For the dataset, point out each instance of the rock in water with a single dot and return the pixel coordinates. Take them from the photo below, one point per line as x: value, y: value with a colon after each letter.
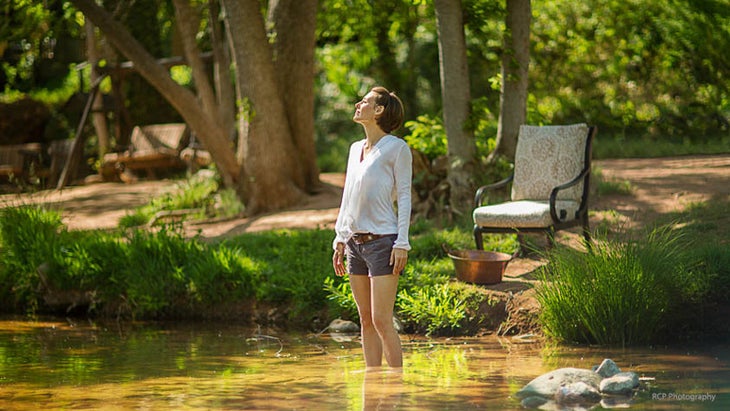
x: 577, y: 393
x: 343, y: 326
x: 547, y: 385
x: 608, y: 368
x: 622, y: 383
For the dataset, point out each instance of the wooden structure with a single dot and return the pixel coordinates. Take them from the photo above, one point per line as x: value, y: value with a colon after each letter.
x: 153, y: 147
x: 22, y: 161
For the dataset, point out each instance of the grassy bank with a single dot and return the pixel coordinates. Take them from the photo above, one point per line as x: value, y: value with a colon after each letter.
x: 669, y: 282
x: 282, y: 276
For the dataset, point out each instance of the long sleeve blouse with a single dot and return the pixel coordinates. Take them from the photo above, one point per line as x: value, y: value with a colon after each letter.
x: 372, y: 185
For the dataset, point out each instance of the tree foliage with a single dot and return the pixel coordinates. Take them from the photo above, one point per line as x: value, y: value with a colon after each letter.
x: 37, y: 40
x: 633, y: 67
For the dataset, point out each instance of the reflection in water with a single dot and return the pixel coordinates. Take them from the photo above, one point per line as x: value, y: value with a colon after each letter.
x: 382, y: 389
x: 59, y: 364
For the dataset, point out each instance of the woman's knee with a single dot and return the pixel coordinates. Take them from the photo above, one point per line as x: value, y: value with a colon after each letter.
x: 366, y: 321
x: 383, y: 324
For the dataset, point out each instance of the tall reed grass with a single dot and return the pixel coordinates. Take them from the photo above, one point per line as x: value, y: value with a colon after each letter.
x: 619, y: 293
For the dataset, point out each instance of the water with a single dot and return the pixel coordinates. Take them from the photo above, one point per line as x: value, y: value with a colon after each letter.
x: 72, y: 364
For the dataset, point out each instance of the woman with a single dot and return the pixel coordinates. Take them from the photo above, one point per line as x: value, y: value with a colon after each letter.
x: 371, y: 233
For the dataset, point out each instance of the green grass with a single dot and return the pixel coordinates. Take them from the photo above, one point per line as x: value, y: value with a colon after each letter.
x: 162, y: 274
x: 430, y: 300
x: 607, y: 186
x: 616, y: 294
x: 136, y: 273
x: 200, y: 194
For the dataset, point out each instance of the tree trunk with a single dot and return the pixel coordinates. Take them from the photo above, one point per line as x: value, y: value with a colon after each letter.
x: 187, y: 25
x: 515, y: 64
x: 98, y: 116
x: 456, y: 103
x: 211, y: 134
x: 272, y: 176
x: 222, y: 71
x: 295, y: 23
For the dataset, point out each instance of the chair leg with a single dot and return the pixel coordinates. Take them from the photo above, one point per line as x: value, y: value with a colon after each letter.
x: 522, y: 251
x: 478, y: 238
x: 550, y: 233
x: 586, y: 232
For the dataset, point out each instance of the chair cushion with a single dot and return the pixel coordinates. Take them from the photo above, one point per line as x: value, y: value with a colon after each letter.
x: 548, y: 156
x: 520, y: 214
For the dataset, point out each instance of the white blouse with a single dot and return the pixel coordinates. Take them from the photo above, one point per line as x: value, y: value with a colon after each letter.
x: 371, y: 188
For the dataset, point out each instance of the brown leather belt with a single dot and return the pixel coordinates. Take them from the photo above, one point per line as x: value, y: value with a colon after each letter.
x: 362, y: 238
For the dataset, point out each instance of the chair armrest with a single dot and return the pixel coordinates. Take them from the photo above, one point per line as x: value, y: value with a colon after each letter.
x: 554, y: 193
x: 481, y: 191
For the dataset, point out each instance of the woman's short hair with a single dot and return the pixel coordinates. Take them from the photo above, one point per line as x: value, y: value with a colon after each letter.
x: 392, y: 116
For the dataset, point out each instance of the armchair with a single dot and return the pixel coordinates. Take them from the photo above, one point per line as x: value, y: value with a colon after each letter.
x: 550, y: 185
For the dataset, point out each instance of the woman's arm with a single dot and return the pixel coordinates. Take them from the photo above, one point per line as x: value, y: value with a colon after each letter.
x: 403, y: 172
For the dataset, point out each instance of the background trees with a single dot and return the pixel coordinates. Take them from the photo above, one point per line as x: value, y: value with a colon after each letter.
x: 273, y: 169
x: 638, y: 69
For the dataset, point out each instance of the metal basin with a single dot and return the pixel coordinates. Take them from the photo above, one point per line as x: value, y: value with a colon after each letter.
x: 479, y: 267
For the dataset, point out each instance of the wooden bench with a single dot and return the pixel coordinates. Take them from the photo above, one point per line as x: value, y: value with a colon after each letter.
x: 153, y: 147
x: 22, y: 161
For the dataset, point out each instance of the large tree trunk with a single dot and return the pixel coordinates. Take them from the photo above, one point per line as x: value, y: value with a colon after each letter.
x: 456, y: 103
x: 515, y: 64
x: 272, y: 176
x: 211, y: 134
x: 295, y: 23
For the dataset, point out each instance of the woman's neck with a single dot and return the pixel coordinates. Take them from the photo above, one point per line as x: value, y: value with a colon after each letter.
x: 373, y: 134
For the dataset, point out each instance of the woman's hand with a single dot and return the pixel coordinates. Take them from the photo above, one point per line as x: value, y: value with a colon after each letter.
x: 398, y: 259
x: 338, y: 260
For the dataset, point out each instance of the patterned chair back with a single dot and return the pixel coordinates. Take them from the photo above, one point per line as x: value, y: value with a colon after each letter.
x: 548, y: 156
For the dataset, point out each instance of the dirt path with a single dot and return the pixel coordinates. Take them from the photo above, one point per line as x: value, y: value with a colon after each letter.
x: 659, y: 186
x: 94, y: 206
x: 666, y: 184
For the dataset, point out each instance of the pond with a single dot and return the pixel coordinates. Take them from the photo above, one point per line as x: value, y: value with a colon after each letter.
x: 76, y: 364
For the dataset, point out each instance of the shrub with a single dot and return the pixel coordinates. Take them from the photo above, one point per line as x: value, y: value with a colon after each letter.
x: 194, y: 193
x: 438, y: 309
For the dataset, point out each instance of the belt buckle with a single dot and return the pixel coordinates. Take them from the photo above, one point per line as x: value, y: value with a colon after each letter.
x: 362, y: 238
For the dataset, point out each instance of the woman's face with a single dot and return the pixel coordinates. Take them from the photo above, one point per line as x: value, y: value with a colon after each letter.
x: 365, y: 109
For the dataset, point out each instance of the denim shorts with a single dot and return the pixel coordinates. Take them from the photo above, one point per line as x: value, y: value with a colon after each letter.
x: 371, y: 258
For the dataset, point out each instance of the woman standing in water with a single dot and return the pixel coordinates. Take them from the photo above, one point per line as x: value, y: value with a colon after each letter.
x: 371, y: 233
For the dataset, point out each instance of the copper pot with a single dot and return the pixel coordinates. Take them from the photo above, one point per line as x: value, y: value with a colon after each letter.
x: 479, y: 267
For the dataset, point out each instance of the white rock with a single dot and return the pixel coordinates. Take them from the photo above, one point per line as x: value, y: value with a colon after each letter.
x: 548, y: 384
x: 577, y: 393
x: 608, y: 368
x: 620, y: 384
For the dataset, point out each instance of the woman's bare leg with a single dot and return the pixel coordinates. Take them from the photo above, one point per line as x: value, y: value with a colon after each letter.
x: 383, y: 291
x: 371, y: 345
